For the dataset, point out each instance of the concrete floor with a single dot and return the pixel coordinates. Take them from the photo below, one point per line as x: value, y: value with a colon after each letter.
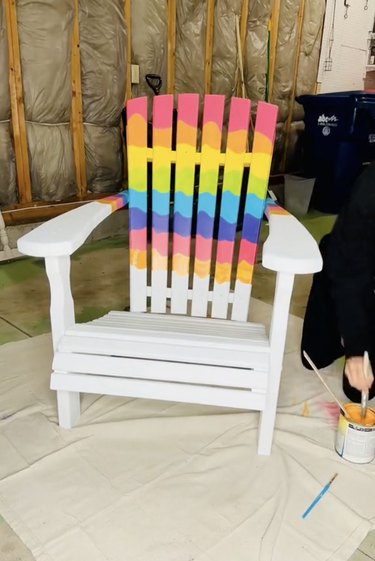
x: 99, y: 285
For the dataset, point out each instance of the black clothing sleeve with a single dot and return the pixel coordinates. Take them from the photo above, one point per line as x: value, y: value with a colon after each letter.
x: 350, y: 266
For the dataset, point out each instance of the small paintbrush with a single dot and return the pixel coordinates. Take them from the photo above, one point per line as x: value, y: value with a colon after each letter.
x: 321, y: 494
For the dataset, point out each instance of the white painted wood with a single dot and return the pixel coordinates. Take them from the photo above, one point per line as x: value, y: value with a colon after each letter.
x: 290, y: 248
x: 201, y: 295
x: 185, y: 393
x: 61, y: 305
x: 65, y: 233
x: 179, y: 294
x: 119, y: 366
x: 190, y: 295
x: 278, y: 329
x: 181, y: 339
x: 159, y: 292
x: 220, y: 300
x: 241, y: 301
x: 68, y: 407
x: 138, y: 289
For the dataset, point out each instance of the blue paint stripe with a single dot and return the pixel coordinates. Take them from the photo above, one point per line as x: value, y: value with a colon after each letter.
x: 160, y: 202
x: 207, y: 204
x: 254, y: 205
x: 229, y: 207
x: 182, y: 225
x: 183, y: 204
x: 138, y: 200
x: 205, y: 225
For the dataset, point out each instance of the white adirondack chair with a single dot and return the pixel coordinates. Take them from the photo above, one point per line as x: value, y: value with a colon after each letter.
x: 203, y: 350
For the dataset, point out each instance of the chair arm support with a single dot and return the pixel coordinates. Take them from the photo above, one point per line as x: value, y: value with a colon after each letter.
x: 289, y: 248
x: 66, y: 233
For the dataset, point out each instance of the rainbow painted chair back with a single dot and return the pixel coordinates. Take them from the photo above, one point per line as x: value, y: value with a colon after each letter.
x: 195, y: 354
x: 194, y: 265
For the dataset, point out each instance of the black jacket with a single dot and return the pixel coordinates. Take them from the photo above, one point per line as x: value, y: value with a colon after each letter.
x: 350, y: 266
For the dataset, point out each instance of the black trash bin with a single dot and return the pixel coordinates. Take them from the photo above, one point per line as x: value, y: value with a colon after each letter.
x: 339, y: 139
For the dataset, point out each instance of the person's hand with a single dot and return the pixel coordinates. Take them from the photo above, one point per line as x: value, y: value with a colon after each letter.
x: 356, y: 375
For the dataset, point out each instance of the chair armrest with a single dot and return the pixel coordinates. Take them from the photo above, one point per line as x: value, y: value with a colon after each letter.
x: 66, y: 233
x: 289, y: 248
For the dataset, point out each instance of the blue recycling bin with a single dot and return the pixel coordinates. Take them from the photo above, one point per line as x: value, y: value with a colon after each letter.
x: 339, y: 138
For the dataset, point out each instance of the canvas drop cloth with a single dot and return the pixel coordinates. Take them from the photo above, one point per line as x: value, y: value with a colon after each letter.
x: 145, y: 480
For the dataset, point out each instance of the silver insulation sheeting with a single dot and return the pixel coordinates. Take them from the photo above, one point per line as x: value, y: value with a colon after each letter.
x: 45, y: 34
x: 103, y: 64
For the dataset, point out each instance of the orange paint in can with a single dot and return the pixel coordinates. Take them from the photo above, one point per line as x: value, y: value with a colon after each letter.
x: 355, y: 438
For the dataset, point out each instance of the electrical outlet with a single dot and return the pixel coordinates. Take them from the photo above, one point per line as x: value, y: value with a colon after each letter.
x: 135, y: 73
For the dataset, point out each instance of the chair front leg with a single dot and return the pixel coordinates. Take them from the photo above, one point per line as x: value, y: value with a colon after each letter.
x: 278, y: 330
x: 62, y: 317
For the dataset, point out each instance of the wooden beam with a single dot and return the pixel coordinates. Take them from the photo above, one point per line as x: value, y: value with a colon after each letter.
x: 42, y: 210
x: 242, y: 40
x: 301, y: 13
x: 17, y: 104
x: 274, y: 31
x: 77, y: 110
x: 128, y: 92
x: 209, y: 45
x: 171, y: 46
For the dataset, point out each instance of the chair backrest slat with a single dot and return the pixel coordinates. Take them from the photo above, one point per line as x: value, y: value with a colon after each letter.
x: 264, y: 136
x: 213, y: 112
x: 161, y: 185
x: 136, y: 134
x: 187, y: 121
x: 230, y: 198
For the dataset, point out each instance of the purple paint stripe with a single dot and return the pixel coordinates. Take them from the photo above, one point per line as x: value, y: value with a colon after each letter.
x: 137, y: 219
x: 250, y: 229
x: 182, y: 225
x: 160, y: 223
x: 205, y: 225
x: 227, y: 230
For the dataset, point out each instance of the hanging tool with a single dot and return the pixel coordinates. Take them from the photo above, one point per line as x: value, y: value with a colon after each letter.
x: 155, y: 82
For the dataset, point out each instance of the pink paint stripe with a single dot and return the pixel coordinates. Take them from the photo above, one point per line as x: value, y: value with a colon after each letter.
x: 203, y: 248
x: 138, y: 239
x: 224, y: 252
x: 188, y: 106
x: 181, y: 245
x: 213, y: 110
x: 137, y: 106
x: 239, y: 114
x: 160, y: 242
x: 247, y: 252
x: 266, y: 119
x: 163, y: 108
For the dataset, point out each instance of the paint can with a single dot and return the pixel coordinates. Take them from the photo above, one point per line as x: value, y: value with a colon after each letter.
x: 355, y: 440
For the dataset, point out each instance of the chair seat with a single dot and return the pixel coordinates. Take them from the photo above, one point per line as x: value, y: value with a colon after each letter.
x: 167, y: 347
